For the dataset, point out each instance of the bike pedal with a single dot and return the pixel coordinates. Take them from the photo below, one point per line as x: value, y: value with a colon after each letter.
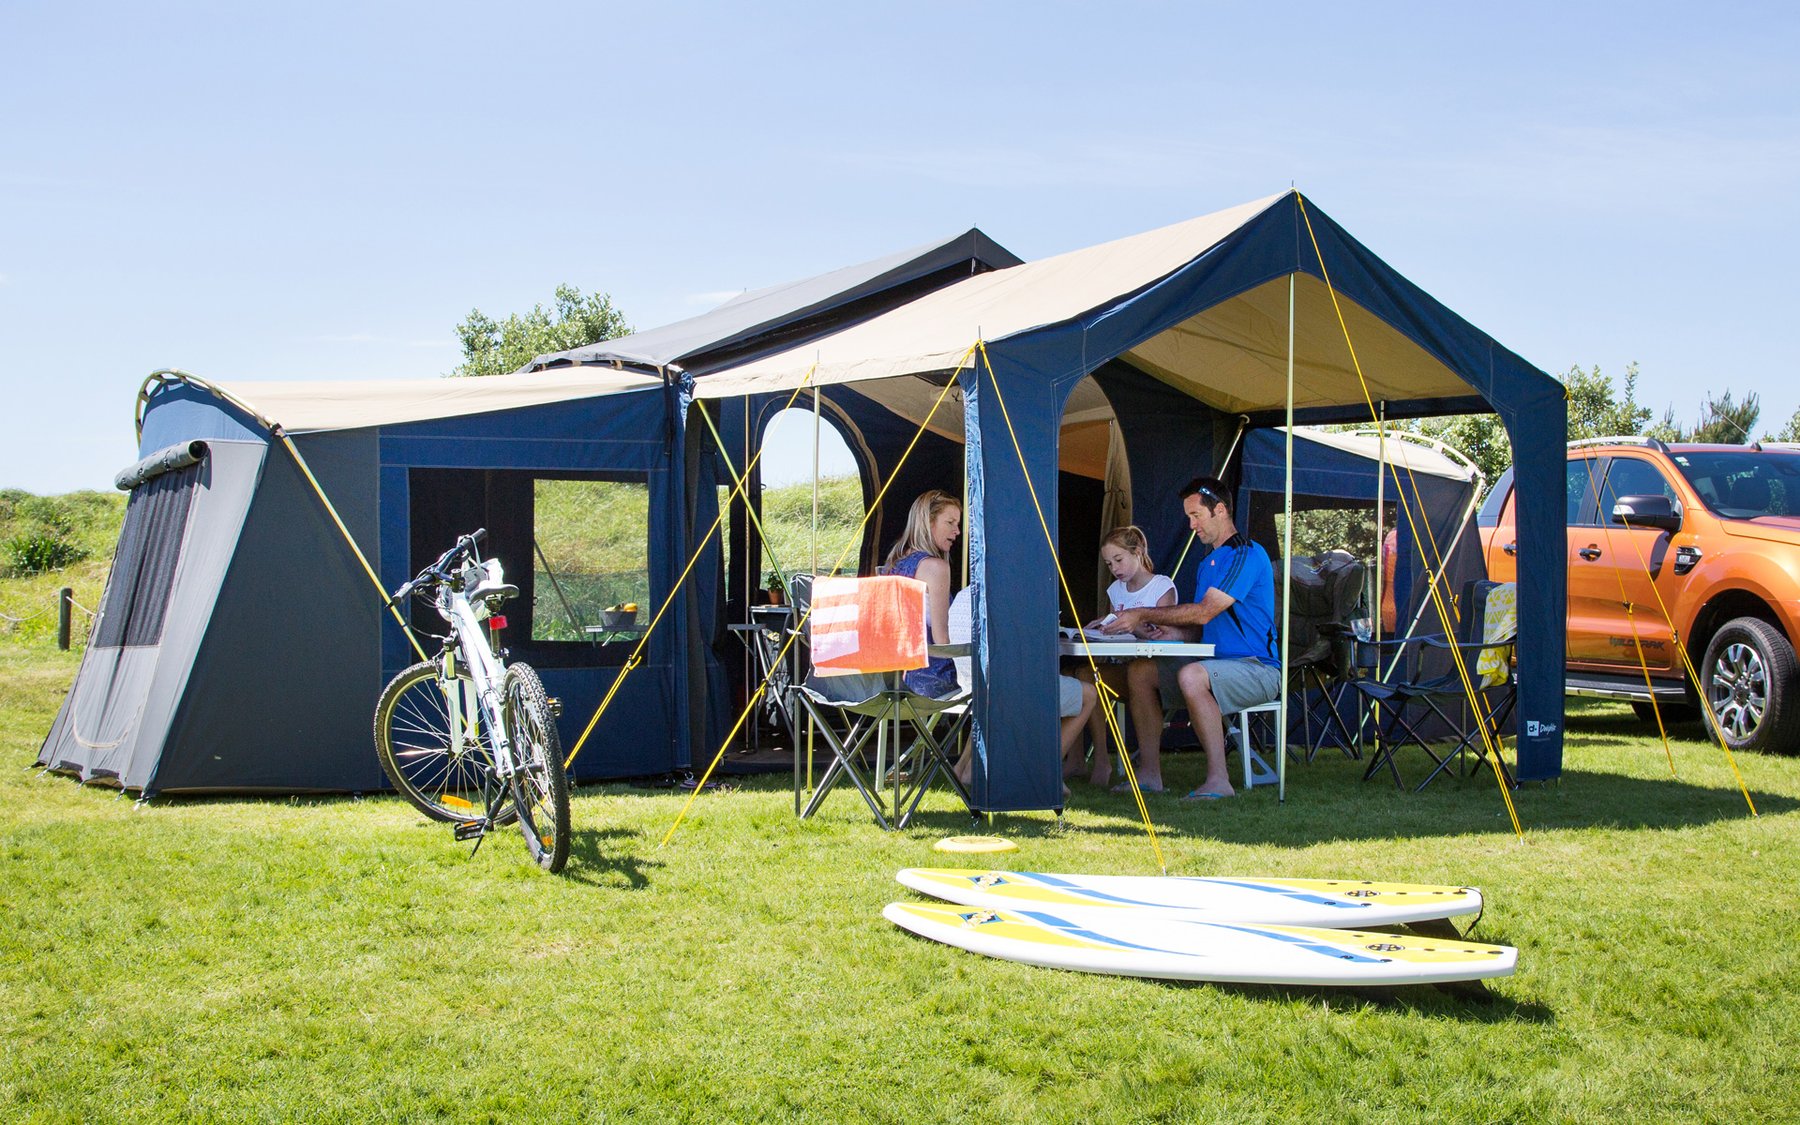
x: 470, y: 829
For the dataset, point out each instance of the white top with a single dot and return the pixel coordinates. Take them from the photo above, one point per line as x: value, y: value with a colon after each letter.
x: 962, y: 625
x: 1153, y: 590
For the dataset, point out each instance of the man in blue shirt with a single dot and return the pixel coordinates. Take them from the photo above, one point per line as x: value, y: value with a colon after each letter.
x: 1234, y: 604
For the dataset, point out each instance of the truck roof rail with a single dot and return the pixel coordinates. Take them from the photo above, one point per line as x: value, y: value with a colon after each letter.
x: 1626, y: 439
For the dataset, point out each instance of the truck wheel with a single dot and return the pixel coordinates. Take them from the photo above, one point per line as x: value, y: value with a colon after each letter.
x: 1748, y: 679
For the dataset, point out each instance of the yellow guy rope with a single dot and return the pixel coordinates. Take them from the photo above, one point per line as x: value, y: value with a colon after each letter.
x: 1437, y: 598
x: 1631, y: 618
x: 637, y: 653
x: 854, y: 543
x: 281, y: 434
x: 1686, y: 662
x: 1112, y: 721
x: 145, y: 390
x: 741, y: 483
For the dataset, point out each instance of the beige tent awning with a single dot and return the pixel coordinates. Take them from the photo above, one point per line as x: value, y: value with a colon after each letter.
x: 301, y: 407
x: 1232, y: 356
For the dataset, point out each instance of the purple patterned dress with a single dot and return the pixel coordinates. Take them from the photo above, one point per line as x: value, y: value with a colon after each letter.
x: 938, y: 678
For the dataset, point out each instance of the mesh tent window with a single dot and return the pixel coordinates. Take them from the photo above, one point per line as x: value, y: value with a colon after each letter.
x: 143, y: 573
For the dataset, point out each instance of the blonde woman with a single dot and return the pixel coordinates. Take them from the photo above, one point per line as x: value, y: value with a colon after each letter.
x: 923, y: 552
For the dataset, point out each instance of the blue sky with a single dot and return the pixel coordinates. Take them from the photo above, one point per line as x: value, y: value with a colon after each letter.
x: 324, y: 191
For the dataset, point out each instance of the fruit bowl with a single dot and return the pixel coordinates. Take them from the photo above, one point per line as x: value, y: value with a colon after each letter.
x: 619, y: 617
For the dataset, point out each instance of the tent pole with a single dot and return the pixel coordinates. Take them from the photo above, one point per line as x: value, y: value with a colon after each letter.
x: 815, y: 498
x: 1287, y: 567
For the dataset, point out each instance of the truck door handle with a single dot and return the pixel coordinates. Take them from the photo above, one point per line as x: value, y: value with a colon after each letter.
x: 1511, y: 548
x: 1589, y: 552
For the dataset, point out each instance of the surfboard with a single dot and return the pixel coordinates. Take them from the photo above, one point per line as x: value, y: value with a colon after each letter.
x: 1332, y: 903
x: 1143, y: 944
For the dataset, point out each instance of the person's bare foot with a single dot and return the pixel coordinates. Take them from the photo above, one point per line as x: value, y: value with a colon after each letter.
x: 1101, y: 775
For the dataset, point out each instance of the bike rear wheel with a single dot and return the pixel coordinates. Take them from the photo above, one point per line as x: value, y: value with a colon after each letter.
x: 434, y: 745
x: 540, y: 788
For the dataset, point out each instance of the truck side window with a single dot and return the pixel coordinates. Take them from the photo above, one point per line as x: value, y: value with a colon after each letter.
x: 1628, y: 476
x: 1580, y: 508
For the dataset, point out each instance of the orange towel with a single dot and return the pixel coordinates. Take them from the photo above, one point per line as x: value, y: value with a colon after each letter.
x: 867, y: 625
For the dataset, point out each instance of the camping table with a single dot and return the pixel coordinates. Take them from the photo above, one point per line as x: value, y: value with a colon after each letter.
x: 613, y: 634
x: 1132, y: 649
x: 762, y: 637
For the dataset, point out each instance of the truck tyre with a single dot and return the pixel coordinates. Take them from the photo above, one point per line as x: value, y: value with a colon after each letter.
x: 1748, y: 678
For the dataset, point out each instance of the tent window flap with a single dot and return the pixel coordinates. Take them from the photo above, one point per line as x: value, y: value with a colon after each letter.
x: 143, y: 574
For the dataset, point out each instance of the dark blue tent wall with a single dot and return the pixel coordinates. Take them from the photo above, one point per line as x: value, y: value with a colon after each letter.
x: 299, y: 647
x: 1035, y: 371
x: 625, y: 436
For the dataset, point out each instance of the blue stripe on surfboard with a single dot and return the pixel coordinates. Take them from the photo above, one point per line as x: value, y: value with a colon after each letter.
x: 1291, y: 892
x: 1063, y: 925
x: 1335, y: 952
x: 1298, y: 941
x: 1285, y: 892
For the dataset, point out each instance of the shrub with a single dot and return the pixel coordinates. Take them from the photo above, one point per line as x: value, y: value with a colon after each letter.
x: 35, y: 552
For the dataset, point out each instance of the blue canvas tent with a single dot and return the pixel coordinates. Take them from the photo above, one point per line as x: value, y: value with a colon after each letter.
x: 240, y: 645
x: 1184, y: 330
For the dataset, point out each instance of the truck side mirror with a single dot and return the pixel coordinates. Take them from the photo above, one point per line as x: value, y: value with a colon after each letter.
x: 1647, y: 511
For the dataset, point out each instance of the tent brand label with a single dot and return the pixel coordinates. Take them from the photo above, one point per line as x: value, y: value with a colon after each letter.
x: 1535, y: 728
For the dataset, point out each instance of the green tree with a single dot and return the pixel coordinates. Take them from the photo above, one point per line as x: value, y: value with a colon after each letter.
x: 1594, y: 411
x: 1722, y: 421
x: 493, y: 347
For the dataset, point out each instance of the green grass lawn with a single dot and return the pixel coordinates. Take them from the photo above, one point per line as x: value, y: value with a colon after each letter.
x: 344, y: 960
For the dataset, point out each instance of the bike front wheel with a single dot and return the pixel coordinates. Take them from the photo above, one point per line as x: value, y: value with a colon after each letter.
x: 540, y: 787
x: 434, y: 745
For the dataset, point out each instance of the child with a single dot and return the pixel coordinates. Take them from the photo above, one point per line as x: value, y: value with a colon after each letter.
x: 1135, y: 585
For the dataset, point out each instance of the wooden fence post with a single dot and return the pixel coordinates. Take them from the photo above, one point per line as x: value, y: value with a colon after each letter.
x: 65, y: 599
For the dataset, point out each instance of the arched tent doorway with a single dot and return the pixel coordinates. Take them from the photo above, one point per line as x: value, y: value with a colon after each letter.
x: 1093, y: 493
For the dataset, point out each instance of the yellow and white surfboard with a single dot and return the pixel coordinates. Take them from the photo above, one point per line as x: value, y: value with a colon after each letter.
x: 1140, y: 944
x: 1333, y: 903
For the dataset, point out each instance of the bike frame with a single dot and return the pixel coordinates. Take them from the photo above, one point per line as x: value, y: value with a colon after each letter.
x: 485, y: 672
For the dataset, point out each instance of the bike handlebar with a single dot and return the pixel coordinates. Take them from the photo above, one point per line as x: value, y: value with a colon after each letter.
x: 440, y: 569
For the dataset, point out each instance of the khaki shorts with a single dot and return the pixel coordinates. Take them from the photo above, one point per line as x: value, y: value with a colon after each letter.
x: 1236, y: 684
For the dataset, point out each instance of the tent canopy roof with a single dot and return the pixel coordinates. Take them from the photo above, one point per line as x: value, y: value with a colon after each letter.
x: 739, y: 321
x: 1403, y: 454
x: 1231, y: 356
x: 302, y: 407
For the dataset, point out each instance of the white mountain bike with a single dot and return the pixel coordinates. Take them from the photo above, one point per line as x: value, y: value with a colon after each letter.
x: 466, y: 738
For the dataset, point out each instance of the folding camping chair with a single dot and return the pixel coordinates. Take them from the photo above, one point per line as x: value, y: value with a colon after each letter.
x: 1486, y: 636
x: 1327, y: 591
x: 855, y: 713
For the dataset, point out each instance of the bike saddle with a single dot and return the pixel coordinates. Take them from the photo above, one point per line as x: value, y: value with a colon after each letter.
x: 490, y: 591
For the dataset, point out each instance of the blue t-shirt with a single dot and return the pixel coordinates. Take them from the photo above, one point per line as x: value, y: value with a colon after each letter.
x: 1241, y: 568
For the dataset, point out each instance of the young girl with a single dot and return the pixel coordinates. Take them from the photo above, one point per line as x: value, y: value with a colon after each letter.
x: 1136, y: 585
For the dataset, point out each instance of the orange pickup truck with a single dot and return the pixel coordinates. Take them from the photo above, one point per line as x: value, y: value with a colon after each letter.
x: 1672, y: 548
